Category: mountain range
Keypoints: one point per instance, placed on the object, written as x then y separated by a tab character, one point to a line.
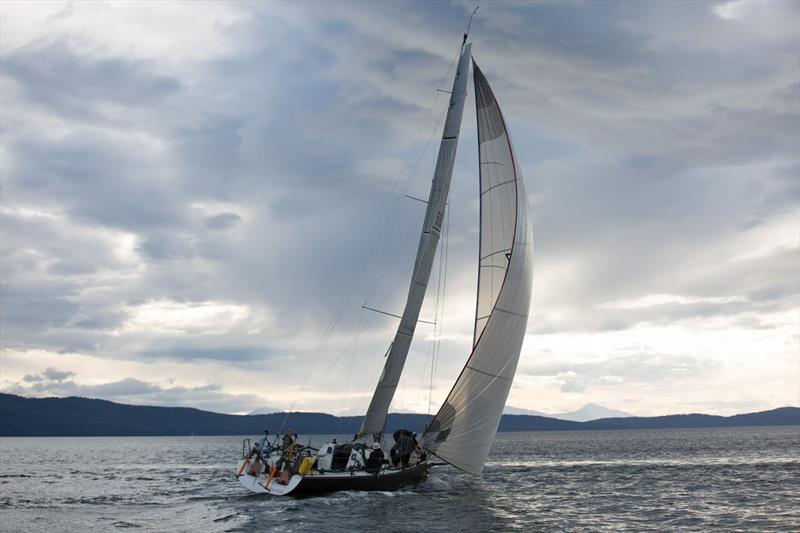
73	416
590	411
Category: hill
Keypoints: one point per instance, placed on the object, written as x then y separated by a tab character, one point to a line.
86	417
590	411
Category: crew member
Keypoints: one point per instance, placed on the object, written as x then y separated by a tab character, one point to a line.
289	439
263	447
405	444
375	459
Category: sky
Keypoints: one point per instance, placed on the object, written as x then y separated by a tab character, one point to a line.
196	200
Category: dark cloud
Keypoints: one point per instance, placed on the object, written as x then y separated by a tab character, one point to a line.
227	352
222	221
97	181
54	75
57	375
38	305
49	375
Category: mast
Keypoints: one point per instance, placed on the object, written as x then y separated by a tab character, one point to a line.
375	419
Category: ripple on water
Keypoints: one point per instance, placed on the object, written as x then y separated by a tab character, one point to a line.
679	480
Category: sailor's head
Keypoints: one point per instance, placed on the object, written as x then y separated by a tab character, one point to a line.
376	445
290	432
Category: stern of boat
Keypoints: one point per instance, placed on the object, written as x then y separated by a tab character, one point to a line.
261	477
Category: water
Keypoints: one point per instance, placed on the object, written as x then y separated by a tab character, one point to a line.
710	479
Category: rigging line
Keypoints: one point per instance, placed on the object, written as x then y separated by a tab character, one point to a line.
377	239
378	366
440	319
394	315
437	330
432	114
366	258
399	250
396	284
435	125
327	373
444	299
428	356
430	353
417	199
350	370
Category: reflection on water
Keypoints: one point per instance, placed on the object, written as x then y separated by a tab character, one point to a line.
653	480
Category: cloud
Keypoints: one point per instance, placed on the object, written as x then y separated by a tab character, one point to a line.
215	190
56	77
222	221
134	391
644	367
50	374
571	382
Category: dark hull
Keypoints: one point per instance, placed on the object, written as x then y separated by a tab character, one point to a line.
387	480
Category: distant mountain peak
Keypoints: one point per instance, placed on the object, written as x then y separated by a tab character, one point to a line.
593	411
590	411
265	411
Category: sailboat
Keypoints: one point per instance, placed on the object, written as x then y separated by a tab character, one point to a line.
462	431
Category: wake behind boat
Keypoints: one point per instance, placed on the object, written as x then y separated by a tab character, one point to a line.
463	430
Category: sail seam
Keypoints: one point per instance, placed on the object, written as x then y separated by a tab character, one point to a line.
511	312
487	256
502	310
488	374
498	185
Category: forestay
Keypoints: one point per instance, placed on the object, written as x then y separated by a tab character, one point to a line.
463	430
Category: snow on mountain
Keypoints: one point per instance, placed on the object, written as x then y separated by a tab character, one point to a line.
265	411
590	411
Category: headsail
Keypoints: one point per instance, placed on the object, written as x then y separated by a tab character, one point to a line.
463	430
434	216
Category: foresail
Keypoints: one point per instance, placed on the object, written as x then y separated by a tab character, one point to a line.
498	202
375	418
463	430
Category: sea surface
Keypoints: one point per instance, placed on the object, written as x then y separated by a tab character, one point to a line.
733	479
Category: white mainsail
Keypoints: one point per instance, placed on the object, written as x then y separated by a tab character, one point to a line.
375	418
463	430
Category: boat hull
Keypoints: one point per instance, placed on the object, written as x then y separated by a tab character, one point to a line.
387	480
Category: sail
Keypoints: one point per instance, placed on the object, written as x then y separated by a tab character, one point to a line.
463	430
375	418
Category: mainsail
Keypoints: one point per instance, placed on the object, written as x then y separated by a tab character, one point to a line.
375	418
463	430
